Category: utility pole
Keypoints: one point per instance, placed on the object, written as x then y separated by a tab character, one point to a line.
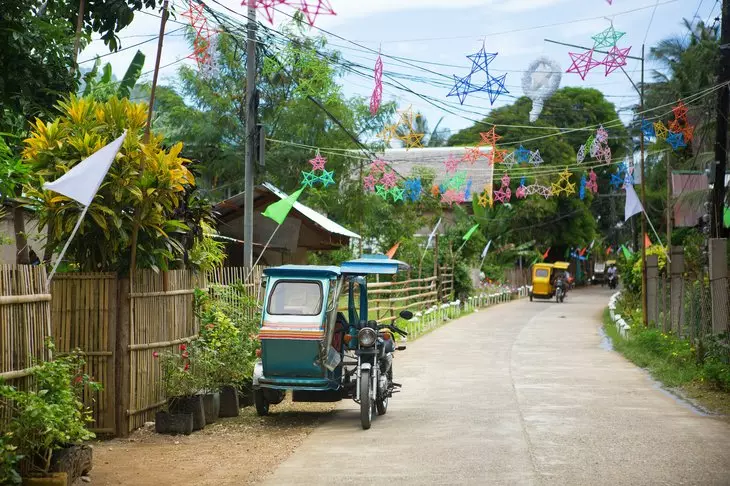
77	37
643	201
250	137
723	99
155	74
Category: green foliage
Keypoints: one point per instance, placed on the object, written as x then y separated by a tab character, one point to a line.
101	87
9	458
13	173
52	415
178	376
145	185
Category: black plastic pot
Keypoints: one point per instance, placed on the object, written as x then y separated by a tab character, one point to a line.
212	407
192	405
174	423
229	402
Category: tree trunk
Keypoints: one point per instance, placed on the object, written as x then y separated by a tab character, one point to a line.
22	256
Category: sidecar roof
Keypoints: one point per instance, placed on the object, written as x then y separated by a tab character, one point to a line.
373	264
311	271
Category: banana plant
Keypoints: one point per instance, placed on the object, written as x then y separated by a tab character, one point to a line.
102	86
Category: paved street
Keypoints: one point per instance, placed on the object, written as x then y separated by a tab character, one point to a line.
521	393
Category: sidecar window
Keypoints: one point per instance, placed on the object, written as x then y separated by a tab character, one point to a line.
541	272
295	298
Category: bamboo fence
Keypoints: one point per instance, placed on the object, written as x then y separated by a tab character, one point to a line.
83	317
387	299
24	324
446	283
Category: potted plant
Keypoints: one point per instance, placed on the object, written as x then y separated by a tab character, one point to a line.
49	419
181	386
206	367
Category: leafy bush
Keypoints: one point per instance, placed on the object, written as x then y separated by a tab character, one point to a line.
178	379
50	417
9	458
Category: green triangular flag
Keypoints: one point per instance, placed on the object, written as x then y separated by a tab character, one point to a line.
470	232
278	210
726	218
627	252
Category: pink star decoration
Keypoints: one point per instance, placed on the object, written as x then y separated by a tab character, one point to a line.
451	163
450	196
472	154
310	8
389	180
582	63
616	58
601	134
318	162
592	183
378	166
369	182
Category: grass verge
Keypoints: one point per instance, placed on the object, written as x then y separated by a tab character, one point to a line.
673	362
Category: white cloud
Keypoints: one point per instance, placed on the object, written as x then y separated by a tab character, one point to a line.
515	6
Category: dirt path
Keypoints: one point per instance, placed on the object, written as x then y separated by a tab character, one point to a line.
233	451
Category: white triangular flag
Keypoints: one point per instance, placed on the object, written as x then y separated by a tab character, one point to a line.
83	180
486	249
433	233
633	205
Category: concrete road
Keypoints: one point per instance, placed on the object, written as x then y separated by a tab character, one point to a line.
520	393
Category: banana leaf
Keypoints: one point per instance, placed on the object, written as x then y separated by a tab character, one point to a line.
134	71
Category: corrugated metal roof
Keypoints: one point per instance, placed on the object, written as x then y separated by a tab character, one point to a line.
313	215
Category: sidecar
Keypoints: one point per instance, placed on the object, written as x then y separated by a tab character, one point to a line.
304	338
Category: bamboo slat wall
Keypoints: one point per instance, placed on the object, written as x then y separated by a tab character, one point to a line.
161	318
239	280
83	316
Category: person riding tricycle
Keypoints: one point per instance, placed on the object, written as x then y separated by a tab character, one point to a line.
547	282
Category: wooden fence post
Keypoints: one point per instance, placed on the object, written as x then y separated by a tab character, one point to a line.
652	278
719	285
437	267
676	269
121	357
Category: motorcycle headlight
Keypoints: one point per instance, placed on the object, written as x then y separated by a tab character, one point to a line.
366	337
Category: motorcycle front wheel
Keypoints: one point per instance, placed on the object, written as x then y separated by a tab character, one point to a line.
366	407
382	404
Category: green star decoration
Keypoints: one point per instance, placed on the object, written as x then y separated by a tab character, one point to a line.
327	177
381	191
397	193
309	179
607	38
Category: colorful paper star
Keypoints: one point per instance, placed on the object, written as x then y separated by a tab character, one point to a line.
318	162
660	130
503	195
607	38
582	188
617	178
412	140
520	192
369	182
377	97
456	181
435	190
509	160
483	200
267	6
495	87
680	111
581	155
309	179
648	128
472	154
688	133
582	63
389	180
490	137
522	155
535	158
563	184
592	183
450	196
388	133
481	59
676	140
601	134
461	88
496	156
378	166
605	155
505	180
381	191
538	189
451	163
327	177
397	193
313	8
413	189
616	58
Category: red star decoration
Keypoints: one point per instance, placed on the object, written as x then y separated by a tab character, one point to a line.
680	112
615	59
496	156
490	137
318	162
582	63
472	154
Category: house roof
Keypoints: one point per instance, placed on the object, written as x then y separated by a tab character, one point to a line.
267	193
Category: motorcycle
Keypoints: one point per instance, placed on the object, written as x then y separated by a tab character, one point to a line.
375	383
559	290
612	281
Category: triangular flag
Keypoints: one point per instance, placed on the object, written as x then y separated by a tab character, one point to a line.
83	180
391	253
593	241
647	241
433	233
485	250
633	205
583	251
609	250
470	232
626	251
726	218
545	255
278	210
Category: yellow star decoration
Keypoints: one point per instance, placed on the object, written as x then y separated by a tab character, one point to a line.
483	200
411	138
388	133
563	184
660	130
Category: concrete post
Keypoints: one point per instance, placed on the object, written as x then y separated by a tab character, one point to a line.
719	284
676	269
652	289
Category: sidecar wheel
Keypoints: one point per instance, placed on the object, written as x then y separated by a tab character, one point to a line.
262	404
366	406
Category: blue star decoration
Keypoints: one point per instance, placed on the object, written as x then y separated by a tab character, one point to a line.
582	190
493	86
309	179
522	155
619	178
648	128
676	140
413	189
326	178
467	191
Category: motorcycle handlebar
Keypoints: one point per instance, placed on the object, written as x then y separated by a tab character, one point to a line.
393	328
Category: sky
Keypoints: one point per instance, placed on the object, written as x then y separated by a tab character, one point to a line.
437	35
